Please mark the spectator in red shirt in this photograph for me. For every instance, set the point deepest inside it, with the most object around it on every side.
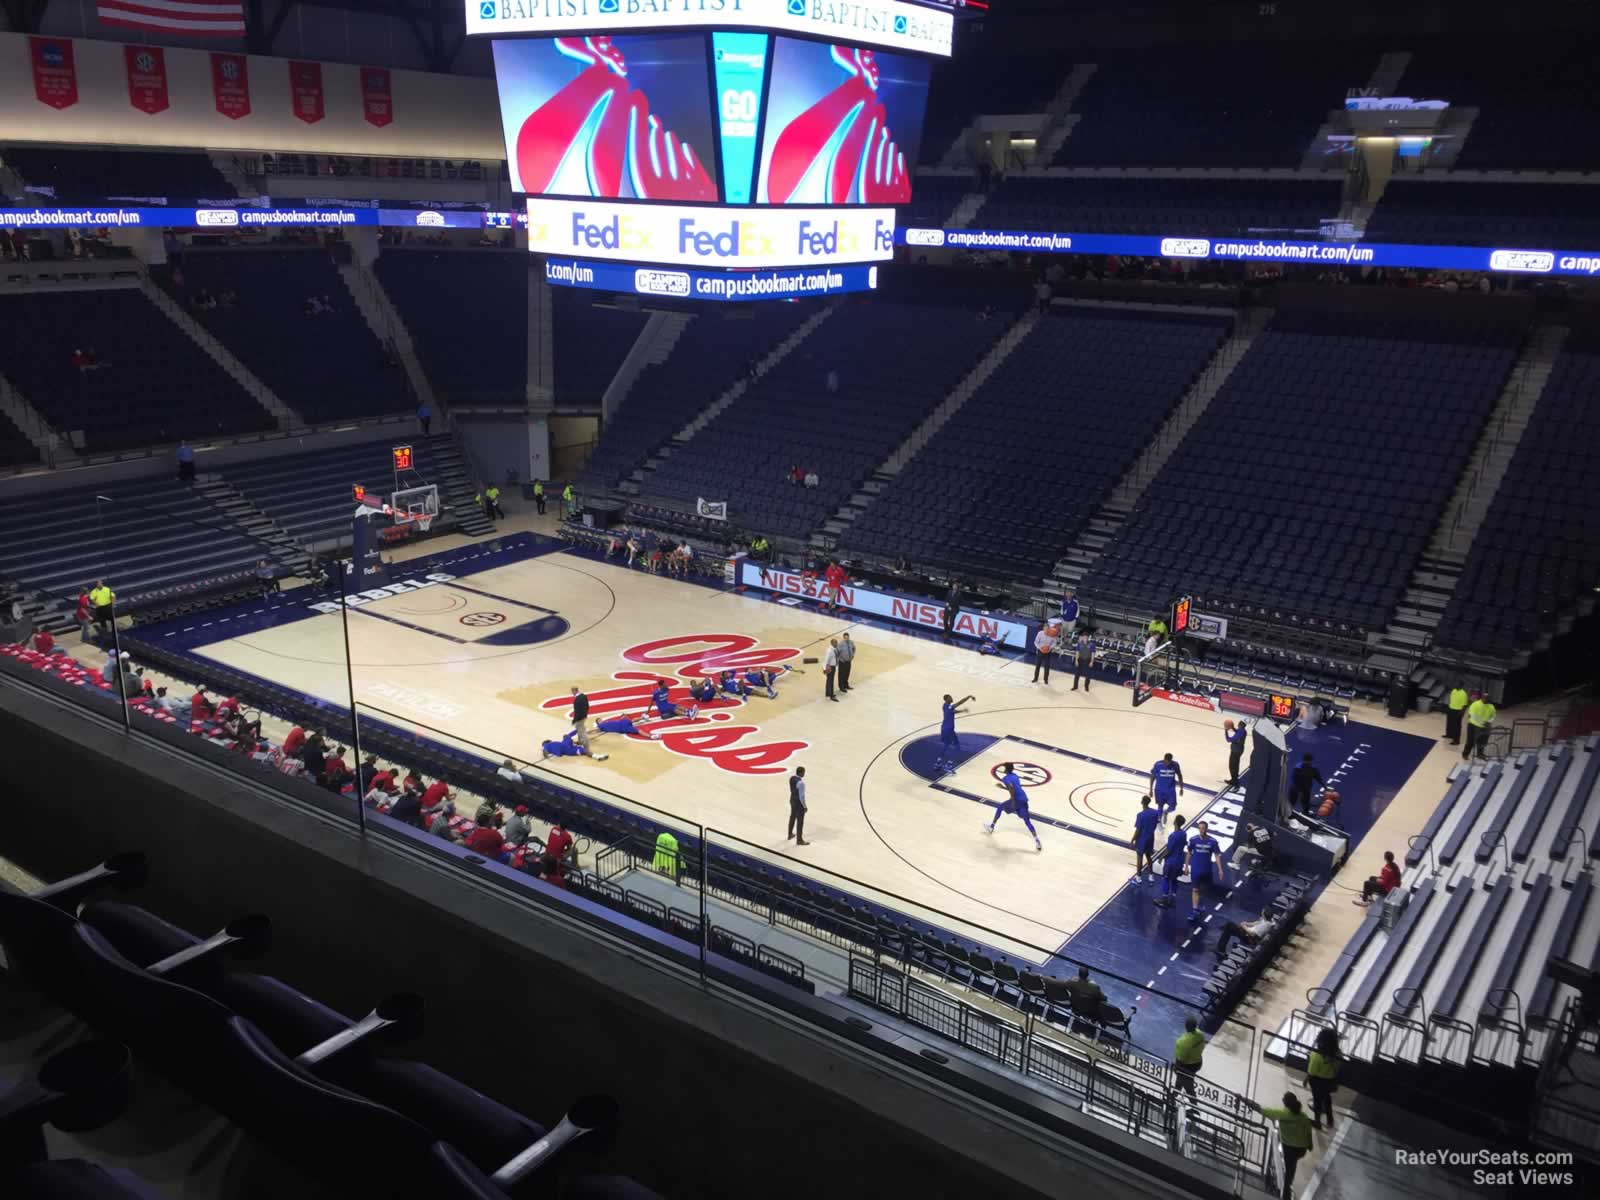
(1381, 884)
(334, 772)
(43, 642)
(486, 839)
(84, 613)
(558, 844)
(435, 794)
(833, 580)
(549, 870)
(296, 739)
(200, 706)
(383, 781)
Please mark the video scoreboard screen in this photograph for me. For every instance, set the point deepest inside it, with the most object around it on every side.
(713, 135)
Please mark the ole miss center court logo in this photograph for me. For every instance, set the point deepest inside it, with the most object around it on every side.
(712, 734)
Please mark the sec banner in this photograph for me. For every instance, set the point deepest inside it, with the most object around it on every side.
(305, 91)
(55, 76)
(147, 78)
(230, 84)
(696, 236)
(377, 99)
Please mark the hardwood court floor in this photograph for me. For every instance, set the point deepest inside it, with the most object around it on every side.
(435, 659)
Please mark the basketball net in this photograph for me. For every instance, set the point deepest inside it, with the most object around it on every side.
(421, 520)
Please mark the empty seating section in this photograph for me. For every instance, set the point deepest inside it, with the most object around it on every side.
(590, 343)
(1342, 437)
(151, 534)
(154, 383)
(1209, 107)
(1060, 421)
(467, 313)
(324, 365)
(1490, 896)
(1490, 214)
(668, 395)
(1536, 552)
(894, 363)
(1203, 207)
(934, 198)
(308, 495)
(973, 81)
(97, 174)
(15, 449)
(1535, 97)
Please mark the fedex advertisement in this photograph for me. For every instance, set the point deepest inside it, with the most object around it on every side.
(914, 610)
(890, 23)
(680, 235)
(620, 118)
(843, 125)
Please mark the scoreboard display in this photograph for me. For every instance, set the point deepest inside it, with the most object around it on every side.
(722, 134)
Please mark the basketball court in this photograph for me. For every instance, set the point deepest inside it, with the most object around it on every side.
(481, 646)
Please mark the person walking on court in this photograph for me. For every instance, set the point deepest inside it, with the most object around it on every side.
(580, 715)
(1480, 715)
(1017, 803)
(569, 500)
(538, 495)
(847, 656)
(1187, 1053)
(1294, 1134)
(1044, 647)
(1166, 782)
(1145, 823)
(1205, 863)
(949, 744)
(797, 807)
(491, 495)
(1301, 781)
(1322, 1075)
(830, 665)
(1234, 735)
(1083, 652)
(1172, 862)
(1455, 709)
(948, 618)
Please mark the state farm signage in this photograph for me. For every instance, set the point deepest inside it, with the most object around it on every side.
(913, 610)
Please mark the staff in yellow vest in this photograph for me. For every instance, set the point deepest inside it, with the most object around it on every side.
(104, 600)
(492, 509)
(570, 499)
(1480, 714)
(538, 494)
(666, 860)
(1455, 707)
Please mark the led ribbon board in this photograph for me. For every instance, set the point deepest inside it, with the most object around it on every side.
(739, 61)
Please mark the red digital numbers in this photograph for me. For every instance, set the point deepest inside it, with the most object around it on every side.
(402, 458)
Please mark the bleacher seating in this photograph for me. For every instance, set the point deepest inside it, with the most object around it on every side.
(668, 395)
(1043, 422)
(308, 495)
(934, 198)
(1202, 207)
(101, 174)
(467, 313)
(151, 532)
(1209, 106)
(324, 365)
(975, 81)
(895, 363)
(1536, 552)
(1535, 95)
(155, 384)
(1344, 436)
(590, 340)
(1487, 214)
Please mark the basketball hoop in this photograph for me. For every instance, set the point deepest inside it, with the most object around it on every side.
(421, 520)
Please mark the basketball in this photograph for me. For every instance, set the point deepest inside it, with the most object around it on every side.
(1227, 725)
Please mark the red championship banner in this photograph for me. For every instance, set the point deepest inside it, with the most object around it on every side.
(230, 84)
(377, 101)
(305, 91)
(55, 78)
(147, 78)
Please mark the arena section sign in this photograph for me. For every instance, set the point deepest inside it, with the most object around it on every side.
(708, 285)
(913, 610)
(1332, 254)
(699, 236)
(890, 23)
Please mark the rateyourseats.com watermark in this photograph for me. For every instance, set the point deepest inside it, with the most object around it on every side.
(1499, 1168)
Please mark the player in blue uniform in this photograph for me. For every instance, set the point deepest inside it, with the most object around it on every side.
(729, 683)
(1172, 863)
(703, 690)
(768, 679)
(1018, 802)
(567, 747)
(949, 744)
(1145, 823)
(1205, 862)
(1166, 782)
(665, 709)
(623, 725)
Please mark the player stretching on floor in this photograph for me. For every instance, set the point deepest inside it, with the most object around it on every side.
(569, 746)
(755, 678)
(1018, 803)
(665, 709)
(1166, 783)
(703, 690)
(628, 726)
(731, 685)
(949, 743)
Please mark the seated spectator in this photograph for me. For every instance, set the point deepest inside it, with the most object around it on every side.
(365, 772)
(408, 809)
(1086, 994)
(560, 846)
(1381, 884)
(1251, 932)
(435, 793)
(200, 705)
(285, 762)
(174, 706)
(267, 575)
(517, 830)
(314, 755)
(383, 781)
(796, 475)
(485, 813)
(811, 479)
(549, 870)
(1255, 848)
(335, 774)
(295, 740)
(508, 770)
(412, 783)
(440, 824)
(487, 839)
(43, 642)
